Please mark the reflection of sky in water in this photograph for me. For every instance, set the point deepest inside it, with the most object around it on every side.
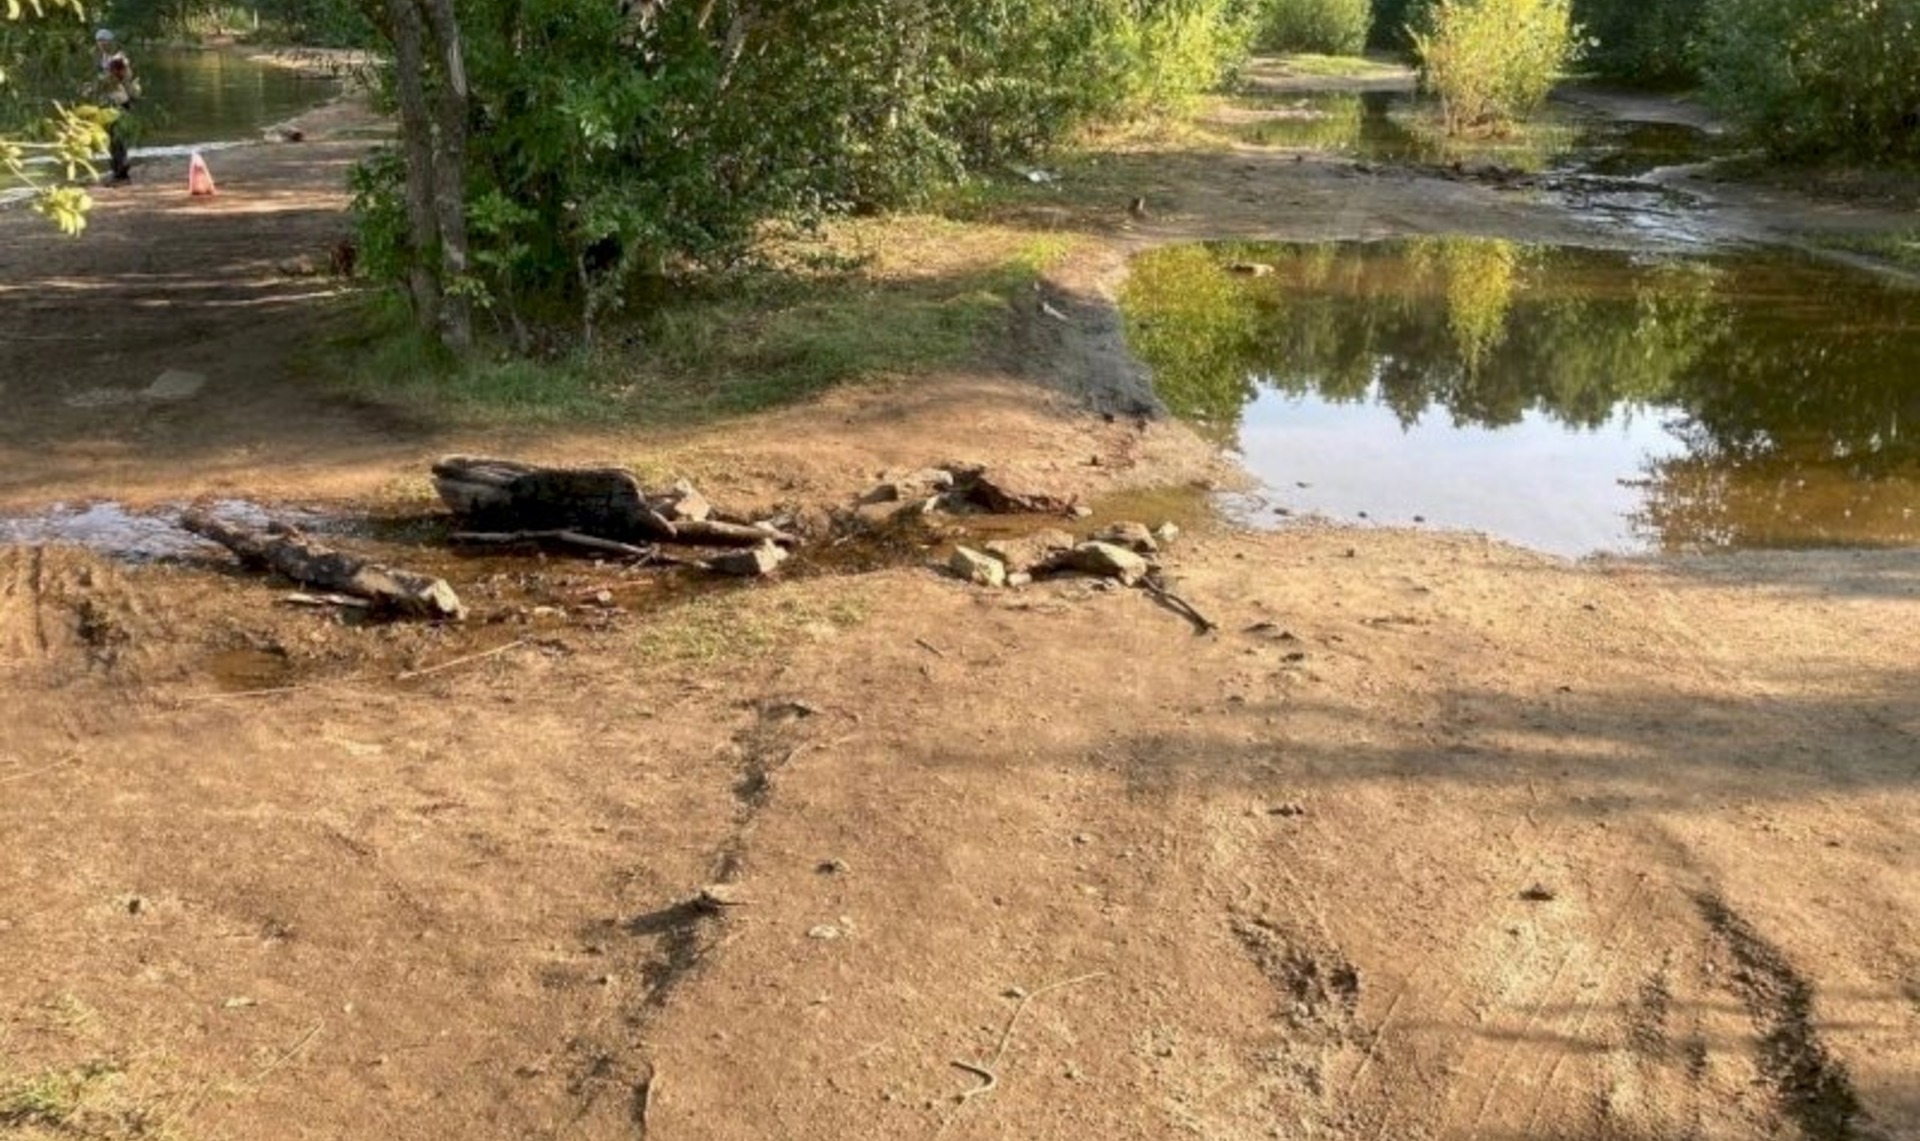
(1537, 483)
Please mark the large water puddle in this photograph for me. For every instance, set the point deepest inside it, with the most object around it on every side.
(208, 101)
(1571, 400)
(1397, 127)
(200, 98)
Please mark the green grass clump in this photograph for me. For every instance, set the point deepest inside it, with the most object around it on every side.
(741, 625)
(720, 349)
(1901, 248)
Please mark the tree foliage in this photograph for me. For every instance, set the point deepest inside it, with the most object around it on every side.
(46, 144)
(1492, 61)
(606, 145)
(1813, 77)
(1335, 27)
(1643, 41)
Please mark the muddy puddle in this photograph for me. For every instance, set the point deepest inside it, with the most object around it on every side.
(1571, 400)
(525, 583)
(141, 534)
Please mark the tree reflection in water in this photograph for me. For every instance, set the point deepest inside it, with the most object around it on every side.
(1792, 387)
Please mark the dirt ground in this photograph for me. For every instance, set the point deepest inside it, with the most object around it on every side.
(1434, 838)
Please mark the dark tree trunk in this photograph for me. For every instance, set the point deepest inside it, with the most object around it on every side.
(416, 134)
(450, 171)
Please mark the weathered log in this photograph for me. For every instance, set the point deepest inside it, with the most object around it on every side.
(507, 495)
(606, 503)
(284, 549)
(476, 485)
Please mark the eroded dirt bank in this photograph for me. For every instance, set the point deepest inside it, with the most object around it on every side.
(1436, 838)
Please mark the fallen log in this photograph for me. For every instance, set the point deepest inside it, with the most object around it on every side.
(284, 549)
(507, 496)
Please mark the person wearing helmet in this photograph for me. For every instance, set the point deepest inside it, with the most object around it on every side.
(118, 90)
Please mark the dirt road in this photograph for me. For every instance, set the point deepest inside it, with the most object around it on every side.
(1434, 839)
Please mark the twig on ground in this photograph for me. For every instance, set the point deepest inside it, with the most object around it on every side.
(301, 598)
(930, 647)
(563, 538)
(989, 1073)
(1201, 623)
(409, 675)
(41, 771)
(283, 1059)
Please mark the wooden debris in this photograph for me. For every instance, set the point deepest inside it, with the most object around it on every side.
(282, 548)
(506, 496)
(300, 598)
(1201, 623)
(574, 540)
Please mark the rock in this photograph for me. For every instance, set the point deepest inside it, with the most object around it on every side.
(175, 384)
(1033, 550)
(1166, 534)
(1019, 579)
(1080, 511)
(753, 562)
(976, 568)
(715, 896)
(1014, 491)
(1539, 893)
(824, 931)
(1133, 536)
(683, 502)
(920, 485)
(1106, 561)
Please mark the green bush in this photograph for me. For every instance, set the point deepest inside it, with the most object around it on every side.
(1332, 27)
(1818, 77)
(1643, 41)
(613, 145)
(1493, 61)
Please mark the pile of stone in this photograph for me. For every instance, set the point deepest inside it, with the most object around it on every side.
(1122, 552)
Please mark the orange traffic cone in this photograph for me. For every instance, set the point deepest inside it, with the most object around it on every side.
(199, 178)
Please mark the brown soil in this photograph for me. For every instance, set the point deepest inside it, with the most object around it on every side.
(1435, 838)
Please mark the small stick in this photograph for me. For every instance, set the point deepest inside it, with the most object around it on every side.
(286, 1057)
(298, 598)
(565, 538)
(989, 1072)
(1201, 623)
(62, 763)
(930, 647)
(409, 675)
(990, 1080)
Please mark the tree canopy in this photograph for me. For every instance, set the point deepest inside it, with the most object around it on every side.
(46, 144)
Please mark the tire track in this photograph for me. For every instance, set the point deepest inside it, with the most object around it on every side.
(1810, 1085)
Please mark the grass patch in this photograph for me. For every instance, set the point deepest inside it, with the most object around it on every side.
(1899, 248)
(1336, 66)
(740, 625)
(870, 300)
(82, 1104)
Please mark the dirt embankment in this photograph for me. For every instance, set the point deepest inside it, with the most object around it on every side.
(1435, 838)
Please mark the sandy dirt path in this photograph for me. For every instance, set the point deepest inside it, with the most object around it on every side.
(1435, 838)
